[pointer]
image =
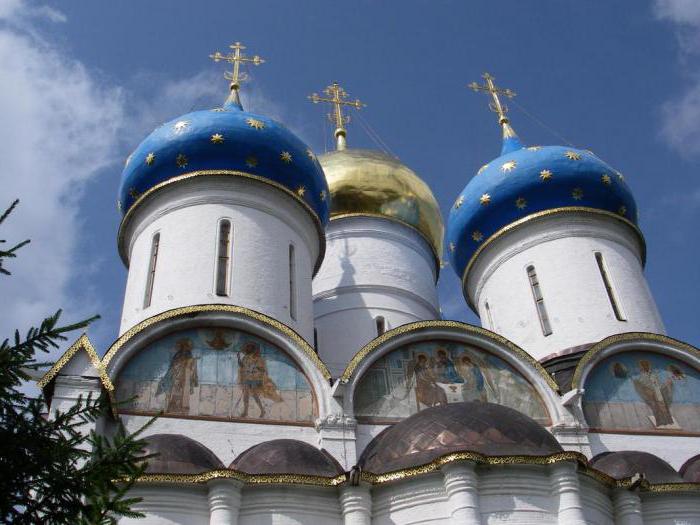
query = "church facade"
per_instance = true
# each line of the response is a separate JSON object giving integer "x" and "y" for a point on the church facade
{"x": 281, "y": 318}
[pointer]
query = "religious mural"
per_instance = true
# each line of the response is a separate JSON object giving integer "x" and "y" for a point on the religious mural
{"x": 426, "y": 374}
{"x": 218, "y": 373}
{"x": 643, "y": 391}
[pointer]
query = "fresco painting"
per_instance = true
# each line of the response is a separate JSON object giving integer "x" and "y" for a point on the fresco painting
{"x": 219, "y": 373}
{"x": 426, "y": 374}
{"x": 643, "y": 391}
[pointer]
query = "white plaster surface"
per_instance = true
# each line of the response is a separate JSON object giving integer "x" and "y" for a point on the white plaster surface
{"x": 675, "y": 450}
{"x": 373, "y": 267}
{"x": 562, "y": 249}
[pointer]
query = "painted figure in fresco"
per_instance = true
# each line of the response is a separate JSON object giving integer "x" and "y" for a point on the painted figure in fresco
{"x": 218, "y": 341}
{"x": 254, "y": 379}
{"x": 179, "y": 381}
{"x": 427, "y": 391}
{"x": 656, "y": 394}
{"x": 473, "y": 388}
{"x": 445, "y": 369}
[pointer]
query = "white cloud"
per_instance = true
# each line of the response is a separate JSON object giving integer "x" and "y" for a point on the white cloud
{"x": 680, "y": 125}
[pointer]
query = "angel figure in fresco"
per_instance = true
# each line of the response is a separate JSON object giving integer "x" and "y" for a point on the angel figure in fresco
{"x": 474, "y": 387}
{"x": 254, "y": 379}
{"x": 657, "y": 394}
{"x": 218, "y": 340}
{"x": 428, "y": 392}
{"x": 179, "y": 381}
{"x": 445, "y": 369}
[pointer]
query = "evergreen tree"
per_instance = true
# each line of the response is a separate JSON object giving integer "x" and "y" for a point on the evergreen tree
{"x": 51, "y": 470}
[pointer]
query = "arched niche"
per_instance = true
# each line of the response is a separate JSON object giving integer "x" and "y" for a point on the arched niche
{"x": 430, "y": 363}
{"x": 218, "y": 362}
{"x": 640, "y": 383}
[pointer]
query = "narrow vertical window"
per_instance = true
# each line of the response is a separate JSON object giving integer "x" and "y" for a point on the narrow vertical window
{"x": 612, "y": 297}
{"x": 316, "y": 340}
{"x": 489, "y": 318}
{"x": 381, "y": 324}
{"x": 292, "y": 285}
{"x": 223, "y": 258}
{"x": 539, "y": 301}
{"x": 155, "y": 242}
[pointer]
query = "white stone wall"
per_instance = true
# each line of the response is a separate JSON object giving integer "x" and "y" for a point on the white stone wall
{"x": 675, "y": 450}
{"x": 168, "y": 504}
{"x": 265, "y": 221}
{"x": 373, "y": 267}
{"x": 562, "y": 250}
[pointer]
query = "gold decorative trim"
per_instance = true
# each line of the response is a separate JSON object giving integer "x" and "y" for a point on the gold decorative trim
{"x": 475, "y": 457}
{"x": 253, "y": 479}
{"x": 82, "y": 343}
{"x": 538, "y": 215}
{"x": 592, "y": 352}
{"x": 672, "y": 487}
{"x": 216, "y": 308}
{"x": 433, "y": 248}
{"x": 223, "y": 173}
{"x": 370, "y": 347}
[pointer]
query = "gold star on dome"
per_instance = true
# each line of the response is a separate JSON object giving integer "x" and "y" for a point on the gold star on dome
{"x": 150, "y": 158}
{"x": 310, "y": 154}
{"x": 545, "y": 175}
{"x": 255, "y": 123}
{"x": 477, "y": 236}
{"x": 452, "y": 247}
{"x": 286, "y": 157}
{"x": 534, "y": 148}
{"x": 482, "y": 168}
{"x": 622, "y": 210}
{"x": 323, "y": 195}
{"x": 520, "y": 203}
{"x": 181, "y": 126}
{"x": 251, "y": 162}
{"x": 217, "y": 138}
{"x": 572, "y": 155}
{"x": 577, "y": 194}
{"x": 485, "y": 199}
{"x": 605, "y": 179}
{"x": 301, "y": 190}
{"x": 459, "y": 202}
{"x": 181, "y": 160}
{"x": 508, "y": 166}
{"x": 133, "y": 193}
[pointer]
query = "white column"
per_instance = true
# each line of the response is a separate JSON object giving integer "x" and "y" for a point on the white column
{"x": 566, "y": 486}
{"x": 356, "y": 505}
{"x": 224, "y": 501}
{"x": 462, "y": 487}
{"x": 628, "y": 507}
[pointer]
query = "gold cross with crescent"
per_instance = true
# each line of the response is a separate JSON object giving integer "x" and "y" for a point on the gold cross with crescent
{"x": 236, "y": 58}
{"x": 492, "y": 89}
{"x": 337, "y": 96}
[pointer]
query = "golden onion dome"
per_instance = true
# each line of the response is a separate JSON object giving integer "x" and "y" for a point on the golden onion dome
{"x": 371, "y": 183}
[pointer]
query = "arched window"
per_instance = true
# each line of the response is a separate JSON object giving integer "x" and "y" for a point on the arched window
{"x": 292, "y": 284}
{"x": 223, "y": 258}
{"x": 489, "y": 316}
{"x": 612, "y": 296}
{"x": 539, "y": 300}
{"x": 155, "y": 243}
{"x": 381, "y": 325}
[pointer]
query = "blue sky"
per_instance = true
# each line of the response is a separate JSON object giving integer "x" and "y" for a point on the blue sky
{"x": 84, "y": 82}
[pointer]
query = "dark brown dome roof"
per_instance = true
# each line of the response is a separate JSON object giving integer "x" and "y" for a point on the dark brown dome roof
{"x": 625, "y": 464}
{"x": 287, "y": 456}
{"x": 179, "y": 455}
{"x": 691, "y": 470}
{"x": 485, "y": 428}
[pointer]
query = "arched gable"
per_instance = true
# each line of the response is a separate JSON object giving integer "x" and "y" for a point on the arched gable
{"x": 640, "y": 383}
{"x": 429, "y": 363}
{"x": 218, "y": 362}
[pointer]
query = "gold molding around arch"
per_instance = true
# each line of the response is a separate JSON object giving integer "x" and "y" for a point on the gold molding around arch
{"x": 82, "y": 343}
{"x": 566, "y": 210}
{"x": 593, "y": 352}
{"x": 217, "y": 308}
{"x": 418, "y": 326}
{"x": 225, "y": 173}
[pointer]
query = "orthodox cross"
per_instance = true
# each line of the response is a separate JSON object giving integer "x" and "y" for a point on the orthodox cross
{"x": 337, "y": 96}
{"x": 236, "y": 58}
{"x": 492, "y": 89}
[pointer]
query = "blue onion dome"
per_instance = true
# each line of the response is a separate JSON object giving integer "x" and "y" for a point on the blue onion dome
{"x": 529, "y": 182}
{"x": 225, "y": 141}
